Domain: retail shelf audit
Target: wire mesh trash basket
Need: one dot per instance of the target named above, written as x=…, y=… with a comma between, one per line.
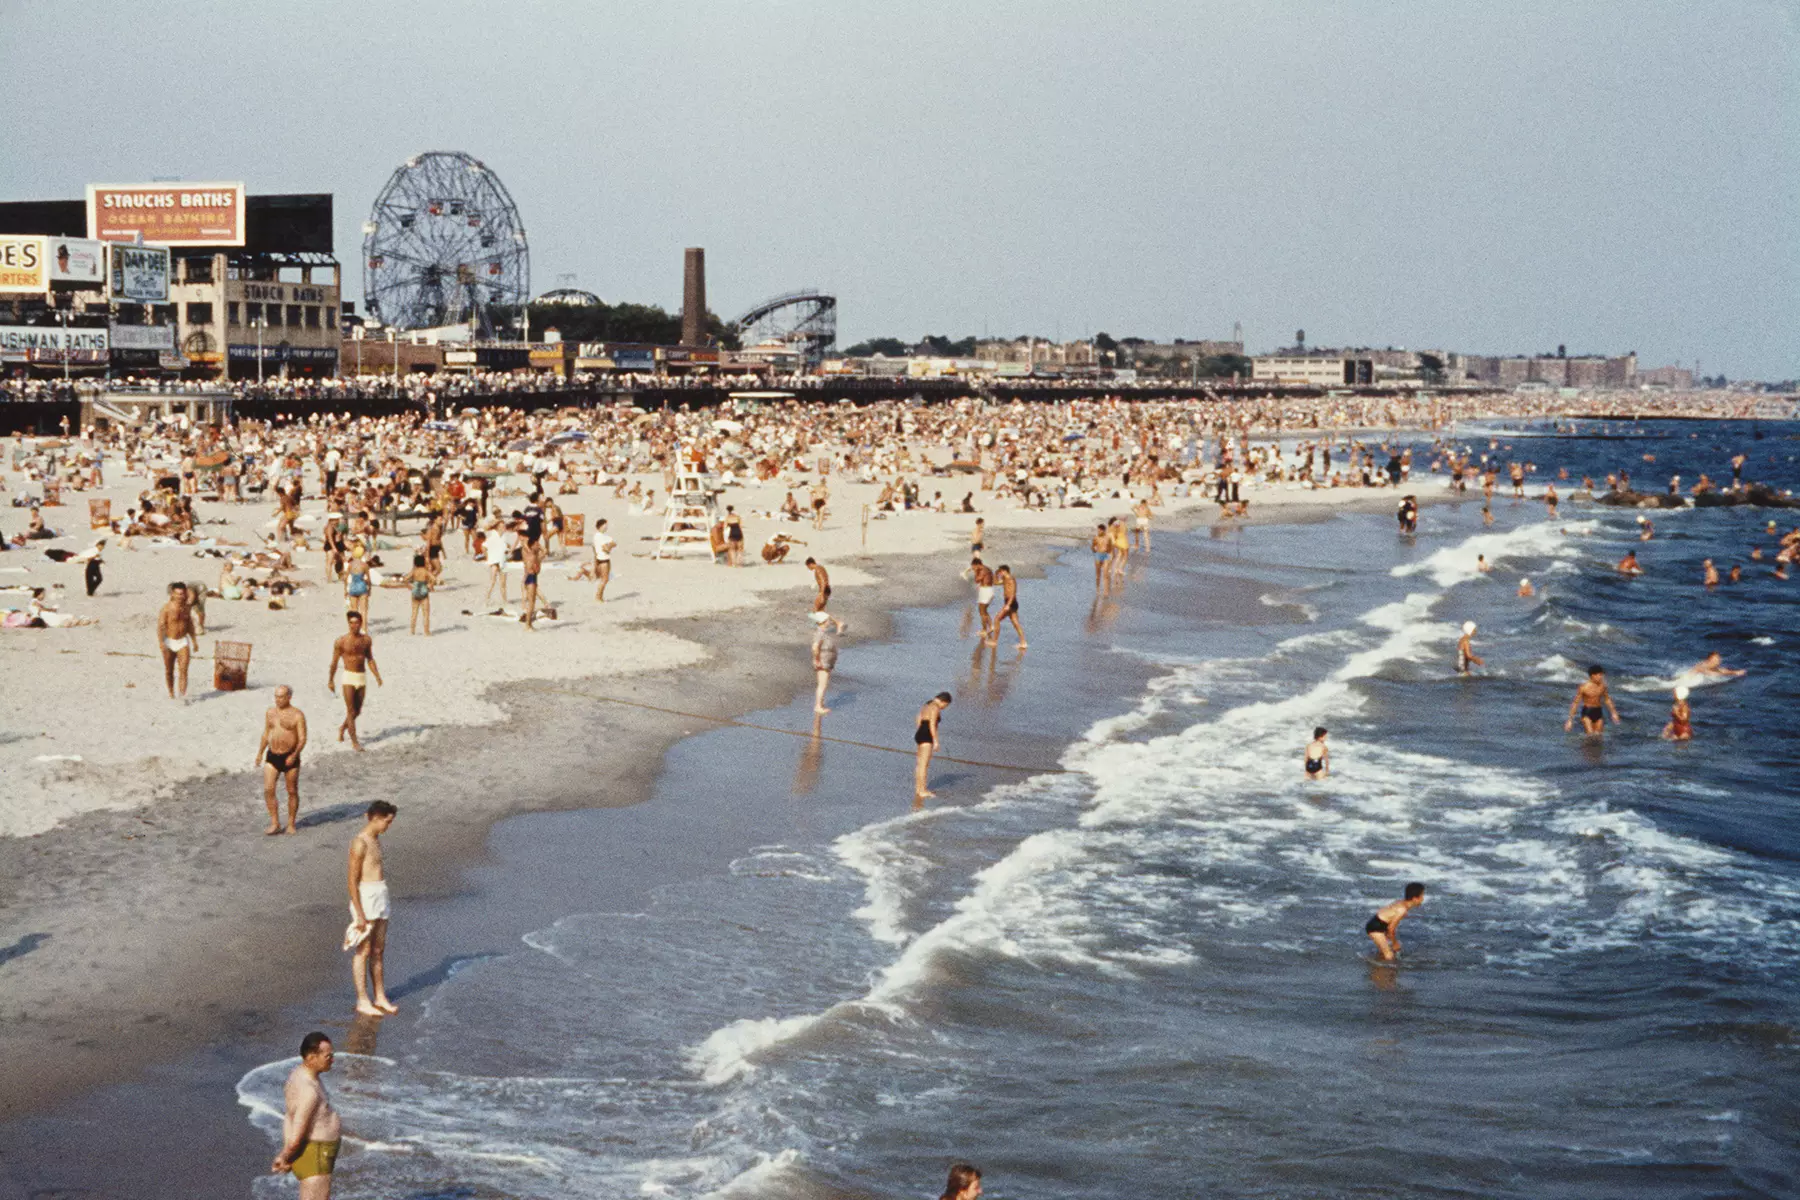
x=231, y=666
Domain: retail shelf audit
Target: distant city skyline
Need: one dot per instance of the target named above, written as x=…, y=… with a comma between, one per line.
x=1491, y=180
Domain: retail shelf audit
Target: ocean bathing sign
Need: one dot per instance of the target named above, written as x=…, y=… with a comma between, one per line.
x=167, y=214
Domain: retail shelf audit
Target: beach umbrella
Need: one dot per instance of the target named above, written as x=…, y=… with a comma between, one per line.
x=440, y=426
x=1073, y=437
x=471, y=412
x=965, y=466
x=728, y=426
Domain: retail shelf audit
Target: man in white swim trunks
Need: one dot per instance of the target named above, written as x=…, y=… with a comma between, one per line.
x=369, y=912
x=175, y=637
x=356, y=650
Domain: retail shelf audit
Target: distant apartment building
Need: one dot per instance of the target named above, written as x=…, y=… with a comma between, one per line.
x=1679, y=378
x=1577, y=371
x=1037, y=352
x=1312, y=370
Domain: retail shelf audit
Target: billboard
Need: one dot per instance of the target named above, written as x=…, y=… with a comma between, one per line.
x=22, y=264
x=167, y=214
x=139, y=273
x=143, y=337
x=76, y=260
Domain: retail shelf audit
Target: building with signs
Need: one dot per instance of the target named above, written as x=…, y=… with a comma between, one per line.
x=53, y=305
x=252, y=286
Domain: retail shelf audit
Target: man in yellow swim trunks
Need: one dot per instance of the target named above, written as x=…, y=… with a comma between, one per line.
x=310, y=1130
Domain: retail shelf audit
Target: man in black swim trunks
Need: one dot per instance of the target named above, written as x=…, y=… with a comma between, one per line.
x=1588, y=701
x=1383, y=925
x=283, y=738
x=1009, y=609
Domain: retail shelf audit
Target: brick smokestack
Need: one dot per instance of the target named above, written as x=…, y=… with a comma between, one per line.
x=693, y=298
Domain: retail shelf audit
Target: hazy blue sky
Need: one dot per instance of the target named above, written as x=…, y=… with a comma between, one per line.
x=1490, y=177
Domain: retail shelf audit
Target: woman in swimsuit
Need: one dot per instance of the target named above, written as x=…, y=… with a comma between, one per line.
x=1681, y=718
x=925, y=740
x=356, y=586
x=1318, y=756
x=734, y=537
x=419, y=582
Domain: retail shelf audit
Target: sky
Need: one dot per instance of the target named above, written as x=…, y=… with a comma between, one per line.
x=1482, y=177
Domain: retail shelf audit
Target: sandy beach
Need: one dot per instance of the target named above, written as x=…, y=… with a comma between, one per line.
x=143, y=909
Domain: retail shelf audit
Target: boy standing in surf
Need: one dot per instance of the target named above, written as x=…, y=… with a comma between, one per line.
x=1465, y=650
x=1382, y=926
x=1589, y=698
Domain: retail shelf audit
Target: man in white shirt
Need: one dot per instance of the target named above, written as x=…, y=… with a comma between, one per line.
x=603, y=548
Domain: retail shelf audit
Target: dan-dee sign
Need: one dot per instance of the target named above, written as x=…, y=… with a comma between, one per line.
x=167, y=214
x=140, y=273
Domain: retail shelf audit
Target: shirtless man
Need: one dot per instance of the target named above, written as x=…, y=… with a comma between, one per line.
x=820, y=495
x=1140, y=533
x=1713, y=664
x=1101, y=545
x=1588, y=701
x=369, y=911
x=604, y=545
x=1629, y=564
x=978, y=537
x=531, y=557
x=984, y=594
x=1381, y=927
x=356, y=650
x=1009, y=608
x=925, y=739
x=175, y=636
x=1709, y=574
x=1465, y=650
x=1318, y=755
x=283, y=738
x=310, y=1129
x=1681, y=718
x=823, y=583
x=824, y=659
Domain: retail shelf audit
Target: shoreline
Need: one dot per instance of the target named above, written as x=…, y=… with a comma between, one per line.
x=143, y=936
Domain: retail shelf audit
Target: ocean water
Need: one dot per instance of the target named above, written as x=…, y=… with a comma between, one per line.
x=1144, y=973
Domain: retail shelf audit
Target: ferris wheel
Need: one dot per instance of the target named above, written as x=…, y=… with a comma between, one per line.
x=444, y=245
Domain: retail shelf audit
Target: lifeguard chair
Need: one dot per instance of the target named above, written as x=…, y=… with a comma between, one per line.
x=690, y=515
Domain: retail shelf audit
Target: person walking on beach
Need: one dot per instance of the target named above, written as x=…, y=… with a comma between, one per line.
x=356, y=650
x=1465, y=650
x=1101, y=545
x=925, y=739
x=1009, y=606
x=822, y=582
x=1681, y=718
x=1382, y=927
x=497, y=554
x=370, y=909
x=1318, y=755
x=1588, y=701
x=964, y=1183
x=531, y=557
x=983, y=575
x=1140, y=532
x=175, y=637
x=283, y=738
x=357, y=585
x=311, y=1130
x=824, y=658
x=419, y=582
x=604, y=545
x=978, y=537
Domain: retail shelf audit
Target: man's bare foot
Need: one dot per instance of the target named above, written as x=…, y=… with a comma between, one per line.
x=368, y=1010
x=340, y=733
x=291, y=829
x=924, y=795
x=272, y=830
x=1024, y=645
x=387, y=1006
x=820, y=709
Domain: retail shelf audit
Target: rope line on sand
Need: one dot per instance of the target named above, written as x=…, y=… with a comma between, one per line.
x=676, y=712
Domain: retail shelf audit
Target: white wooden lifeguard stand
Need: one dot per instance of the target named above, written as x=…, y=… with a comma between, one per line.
x=692, y=510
